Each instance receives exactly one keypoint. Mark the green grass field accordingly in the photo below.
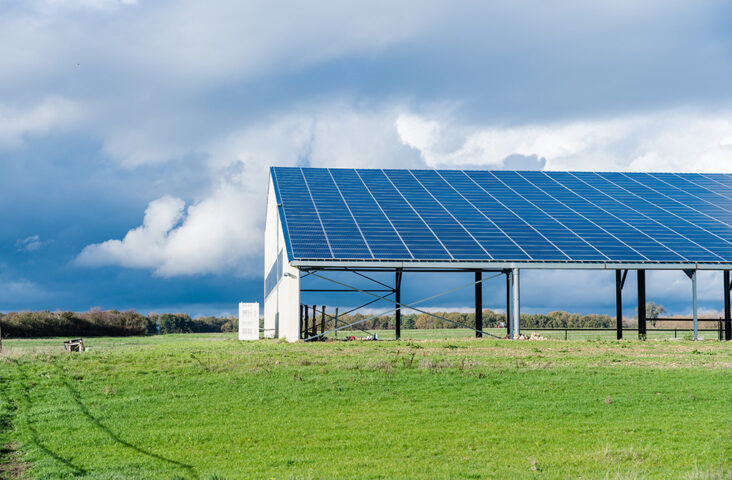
(210, 407)
(465, 333)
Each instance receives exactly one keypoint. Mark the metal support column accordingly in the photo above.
(314, 331)
(642, 304)
(478, 304)
(509, 291)
(516, 310)
(694, 305)
(727, 314)
(322, 321)
(692, 275)
(619, 284)
(306, 326)
(336, 323)
(398, 299)
(301, 324)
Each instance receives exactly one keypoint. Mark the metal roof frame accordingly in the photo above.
(387, 265)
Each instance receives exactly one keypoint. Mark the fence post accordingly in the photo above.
(720, 330)
(314, 331)
(322, 321)
(336, 323)
(641, 304)
(565, 333)
(306, 323)
(727, 319)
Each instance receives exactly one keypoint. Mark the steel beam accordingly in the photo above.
(353, 324)
(398, 299)
(509, 296)
(478, 304)
(409, 306)
(619, 303)
(692, 275)
(619, 284)
(369, 278)
(694, 305)
(336, 322)
(306, 325)
(335, 318)
(301, 321)
(315, 320)
(642, 304)
(334, 290)
(471, 266)
(727, 314)
(322, 321)
(516, 310)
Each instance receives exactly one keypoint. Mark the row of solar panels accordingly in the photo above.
(456, 215)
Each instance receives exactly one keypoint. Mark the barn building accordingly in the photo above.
(325, 220)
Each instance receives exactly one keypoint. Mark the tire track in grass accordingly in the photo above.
(11, 463)
(27, 403)
(76, 397)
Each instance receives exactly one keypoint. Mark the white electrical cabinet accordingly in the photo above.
(249, 321)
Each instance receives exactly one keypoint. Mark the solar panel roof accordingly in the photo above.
(333, 214)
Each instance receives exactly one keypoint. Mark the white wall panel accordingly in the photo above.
(282, 304)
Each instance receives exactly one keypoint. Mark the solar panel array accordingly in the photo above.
(476, 215)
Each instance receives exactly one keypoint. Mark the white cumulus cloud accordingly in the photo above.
(222, 230)
(674, 140)
(144, 246)
(216, 234)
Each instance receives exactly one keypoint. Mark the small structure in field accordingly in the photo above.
(75, 345)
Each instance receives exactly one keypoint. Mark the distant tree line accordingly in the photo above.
(107, 323)
(491, 319)
(129, 323)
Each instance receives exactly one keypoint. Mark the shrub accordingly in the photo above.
(70, 324)
(175, 323)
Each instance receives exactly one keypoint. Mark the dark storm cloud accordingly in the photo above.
(106, 106)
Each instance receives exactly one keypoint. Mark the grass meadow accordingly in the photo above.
(559, 334)
(205, 406)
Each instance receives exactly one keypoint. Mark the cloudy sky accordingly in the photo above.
(135, 135)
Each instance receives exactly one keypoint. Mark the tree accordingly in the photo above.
(654, 311)
(175, 323)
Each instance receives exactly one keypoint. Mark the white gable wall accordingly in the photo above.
(282, 303)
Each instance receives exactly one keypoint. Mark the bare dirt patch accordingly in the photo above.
(12, 466)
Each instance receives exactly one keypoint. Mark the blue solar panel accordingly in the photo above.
(453, 236)
(510, 190)
(597, 228)
(378, 231)
(715, 178)
(531, 242)
(301, 221)
(604, 212)
(484, 231)
(668, 229)
(417, 236)
(344, 235)
(474, 215)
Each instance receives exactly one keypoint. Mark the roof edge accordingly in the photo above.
(483, 265)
